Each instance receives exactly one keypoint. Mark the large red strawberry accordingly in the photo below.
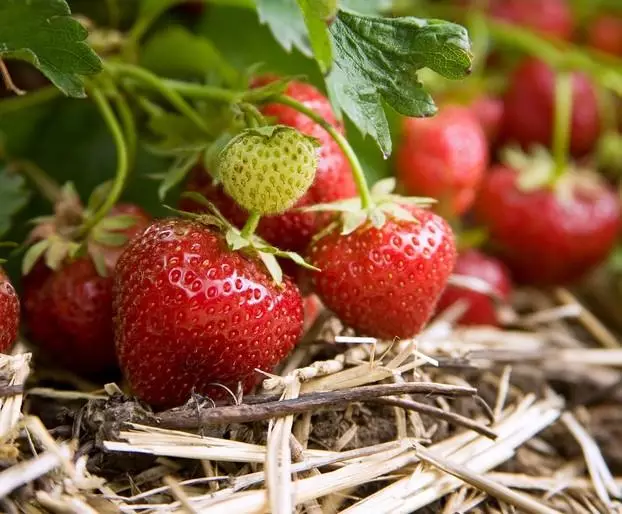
(481, 306)
(488, 110)
(546, 235)
(385, 282)
(605, 34)
(191, 314)
(68, 312)
(551, 18)
(293, 229)
(529, 108)
(9, 313)
(443, 157)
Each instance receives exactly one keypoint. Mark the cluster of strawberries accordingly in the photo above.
(192, 304)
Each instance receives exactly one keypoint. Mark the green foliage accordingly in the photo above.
(14, 196)
(377, 59)
(43, 33)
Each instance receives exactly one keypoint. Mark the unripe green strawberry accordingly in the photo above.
(266, 170)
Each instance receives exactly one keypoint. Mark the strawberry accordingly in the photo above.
(312, 309)
(385, 282)
(529, 108)
(9, 313)
(552, 18)
(545, 235)
(604, 33)
(68, 311)
(481, 307)
(266, 170)
(293, 229)
(443, 157)
(191, 314)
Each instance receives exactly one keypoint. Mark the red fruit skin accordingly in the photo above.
(9, 313)
(69, 312)
(312, 309)
(604, 33)
(443, 157)
(291, 230)
(385, 282)
(190, 313)
(552, 18)
(489, 112)
(543, 239)
(529, 108)
(481, 310)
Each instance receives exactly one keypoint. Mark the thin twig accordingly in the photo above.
(430, 410)
(8, 80)
(11, 390)
(185, 419)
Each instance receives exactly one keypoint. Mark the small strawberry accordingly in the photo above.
(266, 170)
(385, 282)
(529, 108)
(9, 313)
(552, 18)
(68, 310)
(481, 306)
(293, 229)
(443, 157)
(604, 33)
(548, 235)
(191, 314)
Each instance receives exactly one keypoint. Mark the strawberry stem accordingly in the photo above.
(357, 170)
(251, 225)
(154, 82)
(122, 160)
(563, 113)
(48, 188)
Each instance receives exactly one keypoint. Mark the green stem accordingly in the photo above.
(254, 118)
(357, 170)
(204, 92)
(45, 184)
(122, 161)
(31, 99)
(129, 126)
(251, 225)
(154, 82)
(563, 113)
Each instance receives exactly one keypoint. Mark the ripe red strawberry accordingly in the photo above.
(604, 33)
(481, 310)
(443, 157)
(489, 111)
(293, 229)
(551, 18)
(529, 108)
(546, 236)
(9, 313)
(191, 314)
(312, 309)
(385, 282)
(69, 312)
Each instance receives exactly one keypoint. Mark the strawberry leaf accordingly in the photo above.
(43, 33)
(286, 23)
(13, 197)
(33, 254)
(376, 60)
(272, 265)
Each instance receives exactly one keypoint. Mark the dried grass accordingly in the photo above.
(343, 428)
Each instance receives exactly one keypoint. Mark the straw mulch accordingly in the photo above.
(524, 419)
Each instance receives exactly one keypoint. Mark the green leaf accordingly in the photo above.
(120, 222)
(235, 240)
(319, 36)
(272, 265)
(112, 239)
(176, 52)
(100, 263)
(43, 33)
(98, 196)
(352, 221)
(376, 60)
(286, 23)
(13, 197)
(177, 173)
(33, 254)
(153, 8)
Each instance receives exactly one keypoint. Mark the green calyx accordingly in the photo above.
(244, 240)
(267, 169)
(385, 203)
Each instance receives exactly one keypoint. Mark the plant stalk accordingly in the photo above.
(251, 225)
(562, 126)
